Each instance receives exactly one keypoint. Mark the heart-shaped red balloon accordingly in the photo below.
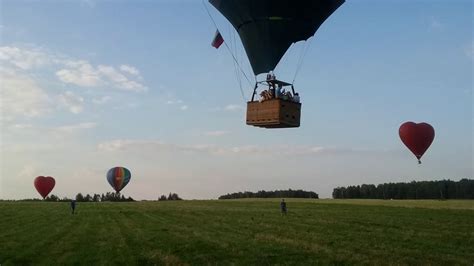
(417, 137)
(44, 185)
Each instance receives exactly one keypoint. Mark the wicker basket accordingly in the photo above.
(274, 113)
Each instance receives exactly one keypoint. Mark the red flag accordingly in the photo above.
(218, 40)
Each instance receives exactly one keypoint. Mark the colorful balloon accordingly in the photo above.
(44, 185)
(118, 177)
(417, 137)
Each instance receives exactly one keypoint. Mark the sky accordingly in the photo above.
(89, 85)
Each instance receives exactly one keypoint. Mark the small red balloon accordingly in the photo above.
(417, 137)
(44, 185)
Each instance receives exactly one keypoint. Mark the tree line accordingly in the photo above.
(272, 194)
(109, 196)
(442, 189)
(171, 196)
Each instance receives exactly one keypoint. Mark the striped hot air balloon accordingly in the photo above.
(118, 177)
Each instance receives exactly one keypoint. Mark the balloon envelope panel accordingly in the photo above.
(267, 28)
(417, 137)
(44, 185)
(118, 177)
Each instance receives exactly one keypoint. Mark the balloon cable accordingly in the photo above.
(301, 58)
(236, 67)
(228, 48)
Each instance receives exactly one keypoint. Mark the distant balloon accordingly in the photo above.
(44, 185)
(417, 137)
(118, 177)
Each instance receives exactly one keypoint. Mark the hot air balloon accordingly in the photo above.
(267, 28)
(44, 185)
(118, 177)
(417, 137)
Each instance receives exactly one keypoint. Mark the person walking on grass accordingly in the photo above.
(73, 206)
(283, 207)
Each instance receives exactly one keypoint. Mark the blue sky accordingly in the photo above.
(88, 85)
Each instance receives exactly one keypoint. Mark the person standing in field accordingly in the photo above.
(73, 206)
(283, 207)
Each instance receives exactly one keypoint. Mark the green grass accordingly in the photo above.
(242, 232)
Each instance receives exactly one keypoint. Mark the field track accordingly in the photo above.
(242, 232)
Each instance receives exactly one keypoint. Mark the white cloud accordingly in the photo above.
(117, 145)
(20, 126)
(75, 127)
(174, 102)
(111, 73)
(43, 133)
(24, 59)
(130, 70)
(80, 73)
(71, 71)
(101, 100)
(119, 80)
(72, 102)
(65, 128)
(216, 133)
(233, 107)
(83, 74)
(20, 96)
(160, 146)
(151, 146)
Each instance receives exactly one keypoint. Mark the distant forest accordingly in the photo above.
(109, 196)
(443, 189)
(272, 194)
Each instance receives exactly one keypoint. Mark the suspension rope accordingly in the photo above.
(228, 49)
(306, 47)
(236, 69)
(300, 58)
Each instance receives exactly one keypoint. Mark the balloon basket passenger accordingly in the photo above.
(278, 106)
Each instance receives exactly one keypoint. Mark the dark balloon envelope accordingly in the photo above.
(44, 185)
(417, 137)
(118, 177)
(267, 28)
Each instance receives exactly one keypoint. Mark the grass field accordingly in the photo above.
(239, 232)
